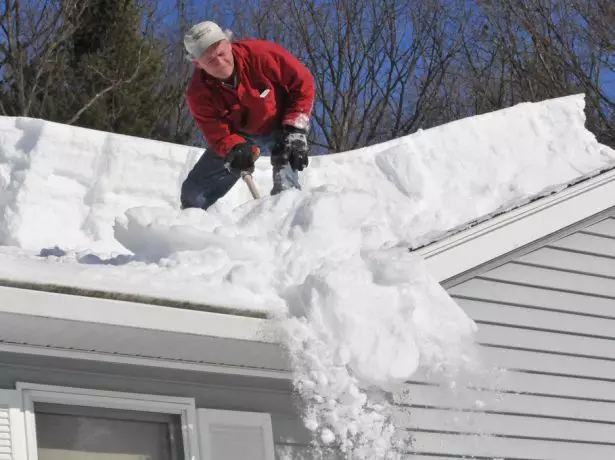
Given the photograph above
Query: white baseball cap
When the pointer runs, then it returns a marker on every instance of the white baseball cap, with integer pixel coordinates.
(201, 36)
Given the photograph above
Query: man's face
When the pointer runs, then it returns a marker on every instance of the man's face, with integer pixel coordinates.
(217, 60)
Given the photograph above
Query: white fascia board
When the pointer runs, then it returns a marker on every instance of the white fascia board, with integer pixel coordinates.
(496, 237)
(43, 304)
(130, 314)
(52, 352)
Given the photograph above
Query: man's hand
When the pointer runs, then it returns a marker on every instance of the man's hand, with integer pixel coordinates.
(242, 156)
(291, 148)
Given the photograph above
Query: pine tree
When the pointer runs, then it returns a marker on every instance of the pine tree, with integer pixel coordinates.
(113, 71)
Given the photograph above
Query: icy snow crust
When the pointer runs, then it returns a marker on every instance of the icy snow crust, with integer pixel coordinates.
(358, 312)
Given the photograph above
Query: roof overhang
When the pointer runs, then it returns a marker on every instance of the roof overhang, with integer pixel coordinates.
(119, 332)
(510, 231)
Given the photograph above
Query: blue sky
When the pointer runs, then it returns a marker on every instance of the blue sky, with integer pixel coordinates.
(171, 20)
(226, 20)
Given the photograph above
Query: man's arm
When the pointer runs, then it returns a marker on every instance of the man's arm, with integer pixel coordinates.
(217, 133)
(296, 79)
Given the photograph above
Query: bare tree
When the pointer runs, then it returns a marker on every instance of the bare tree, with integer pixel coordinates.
(377, 64)
(598, 34)
(532, 50)
(383, 68)
(95, 63)
(33, 34)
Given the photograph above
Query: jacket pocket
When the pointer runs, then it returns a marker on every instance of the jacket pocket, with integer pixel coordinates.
(261, 107)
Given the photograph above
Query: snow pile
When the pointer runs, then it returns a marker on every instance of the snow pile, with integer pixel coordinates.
(64, 186)
(359, 328)
(358, 312)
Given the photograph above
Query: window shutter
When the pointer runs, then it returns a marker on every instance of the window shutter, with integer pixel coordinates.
(233, 435)
(12, 426)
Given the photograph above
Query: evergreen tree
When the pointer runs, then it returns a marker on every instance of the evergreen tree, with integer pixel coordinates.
(113, 72)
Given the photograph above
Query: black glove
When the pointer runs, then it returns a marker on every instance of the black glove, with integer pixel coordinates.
(292, 148)
(241, 157)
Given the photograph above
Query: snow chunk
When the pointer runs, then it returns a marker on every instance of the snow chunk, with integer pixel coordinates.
(360, 329)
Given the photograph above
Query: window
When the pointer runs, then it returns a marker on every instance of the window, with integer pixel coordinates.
(44, 422)
(78, 424)
(89, 433)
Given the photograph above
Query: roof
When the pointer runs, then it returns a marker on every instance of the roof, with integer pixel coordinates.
(120, 332)
(508, 208)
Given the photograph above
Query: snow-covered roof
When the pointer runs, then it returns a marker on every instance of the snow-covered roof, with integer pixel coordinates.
(75, 201)
(509, 207)
(470, 248)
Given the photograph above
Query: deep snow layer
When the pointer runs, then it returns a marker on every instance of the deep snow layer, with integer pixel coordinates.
(63, 188)
(358, 312)
(77, 181)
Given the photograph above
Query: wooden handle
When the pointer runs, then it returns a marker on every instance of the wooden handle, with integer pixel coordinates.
(250, 183)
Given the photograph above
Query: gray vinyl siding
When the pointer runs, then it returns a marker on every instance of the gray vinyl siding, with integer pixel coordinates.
(5, 434)
(548, 318)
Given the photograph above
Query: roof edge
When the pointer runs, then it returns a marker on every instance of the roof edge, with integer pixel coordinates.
(58, 288)
(491, 239)
(40, 303)
(217, 368)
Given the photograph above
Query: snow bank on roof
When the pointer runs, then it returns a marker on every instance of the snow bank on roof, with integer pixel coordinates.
(358, 309)
(77, 181)
(63, 185)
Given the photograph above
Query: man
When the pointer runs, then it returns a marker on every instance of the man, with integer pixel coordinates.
(249, 97)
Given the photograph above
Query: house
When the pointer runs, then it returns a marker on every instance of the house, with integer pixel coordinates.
(83, 375)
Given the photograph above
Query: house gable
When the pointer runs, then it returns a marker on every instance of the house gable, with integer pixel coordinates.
(546, 328)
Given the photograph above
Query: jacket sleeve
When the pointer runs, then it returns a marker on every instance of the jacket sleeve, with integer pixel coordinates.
(297, 81)
(217, 132)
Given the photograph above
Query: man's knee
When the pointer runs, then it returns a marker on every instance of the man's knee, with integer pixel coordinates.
(191, 196)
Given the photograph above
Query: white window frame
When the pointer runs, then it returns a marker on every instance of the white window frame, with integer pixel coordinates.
(36, 393)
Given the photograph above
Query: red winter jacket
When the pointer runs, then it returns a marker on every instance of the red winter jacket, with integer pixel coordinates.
(223, 112)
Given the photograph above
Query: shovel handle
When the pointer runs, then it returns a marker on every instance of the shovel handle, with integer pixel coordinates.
(247, 177)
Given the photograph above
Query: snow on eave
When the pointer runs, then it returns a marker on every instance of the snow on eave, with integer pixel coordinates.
(518, 224)
(508, 207)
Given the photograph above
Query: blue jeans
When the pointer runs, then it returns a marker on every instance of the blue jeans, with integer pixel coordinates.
(209, 180)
